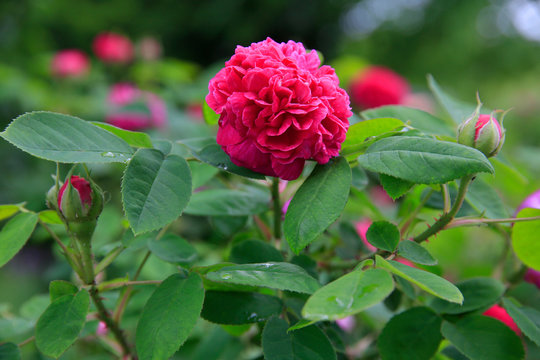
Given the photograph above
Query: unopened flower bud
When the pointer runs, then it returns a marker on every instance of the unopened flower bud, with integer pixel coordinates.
(52, 198)
(79, 200)
(482, 132)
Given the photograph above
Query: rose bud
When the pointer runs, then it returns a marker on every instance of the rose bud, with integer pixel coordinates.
(378, 86)
(79, 200)
(278, 108)
(70, 63)
(499, 313)
(113, 48)
(482, 132)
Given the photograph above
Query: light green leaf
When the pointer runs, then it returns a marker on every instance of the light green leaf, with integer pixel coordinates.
(308, 343)
(58, 288)
(477, 293)
(483, 338)
(172, 248)
(423, 160)
(10, 351)
(15, 234)
(383, 235)
(6, 211)
(65, 138)
(484, 199)
(282, 276)
(458, 110)
(318, 203)
(348, 295)
(210, 116)
(201, 173)
(416, 253)
(155, 189)
(427, 281)
(61, 323)
(529, 328)
(224, 202)
(525, 239)
(133, 138)
(50, 217)
(169, 316)
(362, 130)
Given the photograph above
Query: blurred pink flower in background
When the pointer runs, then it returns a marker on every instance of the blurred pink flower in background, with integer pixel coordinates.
(70, 63)
(134, 109)
(380, 197)
(362, 227)
(102, 329)
(149, 48)
(112, 48)
(532, 201)
(378, 86)
(195, 111)
(532, 276)
(419, 101)
(499, 313)
(405, 261)
(346, 324)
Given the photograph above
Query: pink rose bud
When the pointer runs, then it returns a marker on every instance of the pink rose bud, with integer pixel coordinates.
(70, 63)
(113, 48)
(346, 324)
(378, 86)
(482, 132)
(79, 200)
(278, 108)
(499, 313)
(362, 227)
(532, 201)
(532, 276)
(102, 329)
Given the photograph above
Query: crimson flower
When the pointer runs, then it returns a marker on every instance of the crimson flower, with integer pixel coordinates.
(70, 63)
(110, 47)
(378, 86)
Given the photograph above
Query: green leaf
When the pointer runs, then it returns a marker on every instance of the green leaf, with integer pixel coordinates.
(281, 276)
(359, 178)
(254, 251)
(302, 323)
(525, 239)
(383, 235)
(155, 189)
(15, 234)
(34, 307)
(10, 351)
(318, 203)
(529, 328)
(348, 295)
(477, 293)
(65, 138)
(59, 288)
(484, 199)
(50, 217)
(416, 253)
(423, 160)
(237, 308)
(213, 154)
(172, 248)
(418, 119)
(221, 202)
(427, 281)
(458, 110)
(61, 323)
(169, 316)
(308, 343)
(483, 338)
(6, 211)
(412, 334)
(210, 116)
(201, 173)
(133, 138)
(362, 130)
(395, 187)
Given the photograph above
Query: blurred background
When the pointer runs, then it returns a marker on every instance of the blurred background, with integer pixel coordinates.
(145, 65)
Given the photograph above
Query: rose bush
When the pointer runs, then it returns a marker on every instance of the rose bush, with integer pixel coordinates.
(278, 108)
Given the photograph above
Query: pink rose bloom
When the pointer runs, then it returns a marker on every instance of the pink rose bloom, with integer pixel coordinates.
(112, 48)
(134, 109)
(532, 201)
(278, 108)
(70, 63)
(405, 261)
(362, 227)
(378, 86)
(533, 276)
(499, 313)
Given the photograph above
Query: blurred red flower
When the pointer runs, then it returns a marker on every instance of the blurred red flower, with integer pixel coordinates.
(378, 86)
(499, 313)
(70, 63)
(110, 47)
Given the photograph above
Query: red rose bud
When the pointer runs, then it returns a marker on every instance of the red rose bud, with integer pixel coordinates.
(499, 313)
(378, 86)
(70, 63)
(278, 108)
(482, 132)
(79, 200)
(113, 48)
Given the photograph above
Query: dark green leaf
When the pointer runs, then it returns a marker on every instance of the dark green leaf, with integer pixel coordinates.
(348, 295)
(477, 293)
(411, 335)
(395, 187)
(359, 178)
(169, 316)
(65, 138)
(15, 234)
(458, 110)
(210, 116)
(10, 351)
(416, 253)
(525, 239)
(133, 138)
(529, 328)
(224, 202)
(485, 199)
(58, 288)
(254, 251)
(308, 343)
(201, 173)
(483, 338)
(236, 308)
(282, 276)
(427, 281)
(215, 156)
(383, 235)
(61, 323)
(317, 203)
(172, 248)
(155, 189)
(423, 160)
